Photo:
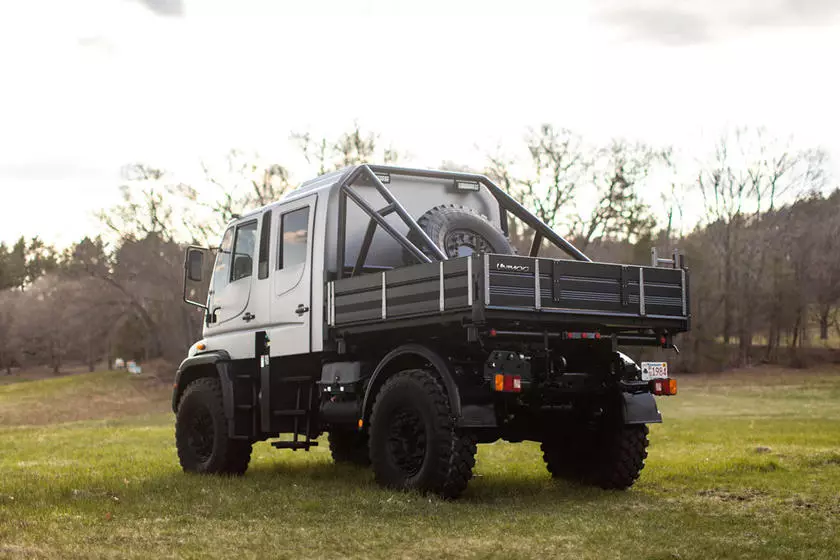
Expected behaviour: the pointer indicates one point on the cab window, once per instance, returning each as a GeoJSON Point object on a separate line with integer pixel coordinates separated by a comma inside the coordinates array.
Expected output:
{"type": "Point", "coordinates": [294, 237]}
{"type": "Point", "coordinates": [244, 247]}
{"type": "Point", "coordinates": [221, 270]}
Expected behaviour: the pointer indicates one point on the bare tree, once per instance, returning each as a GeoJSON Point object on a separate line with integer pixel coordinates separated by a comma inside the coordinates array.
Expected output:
{"type": "Point", "coordinates": [144, 209]}
{"type": "Point", "coordinates": [588, 193]}
{"type": "Point", "coordinates": [240, 184]}
{"type": "Point", "coordinates": [10, 344]}
{"type": "Point", "coordinates": [559, 163]}
{"type": "Point", "coordinates": [741, 186]}
{"type": "Point", "coordinates": [619, 212]}
{"type": "Point", "coordinates": [352, 147]}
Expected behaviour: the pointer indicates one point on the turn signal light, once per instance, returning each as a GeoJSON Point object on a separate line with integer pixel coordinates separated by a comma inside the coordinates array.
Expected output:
{"type": "Point", "coordinates": [664, 386]}
{"type": "Point", "coordinates": [508, 383]}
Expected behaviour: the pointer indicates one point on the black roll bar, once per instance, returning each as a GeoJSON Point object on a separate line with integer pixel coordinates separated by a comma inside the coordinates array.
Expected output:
{"type": "Point", "coordinates": [377, 217]}
{"type": "Point", "coordinates": [506, 203]}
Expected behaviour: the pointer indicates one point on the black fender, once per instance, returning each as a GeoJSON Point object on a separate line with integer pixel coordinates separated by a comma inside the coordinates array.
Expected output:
{"type": "Point", "coordinates": [640, 408]}
{"type": "Point", "coordinates": [441, 365]}
{"type": "Point", "coordinates": [213, 363]}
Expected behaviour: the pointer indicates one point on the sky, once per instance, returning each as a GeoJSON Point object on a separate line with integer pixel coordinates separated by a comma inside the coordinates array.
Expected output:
{"type": "Point", "coordinates": [89, 86]}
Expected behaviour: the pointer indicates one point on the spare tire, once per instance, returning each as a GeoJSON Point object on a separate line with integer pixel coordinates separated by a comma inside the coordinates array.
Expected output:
{"type": "Point", "coordinates": [459, 231]}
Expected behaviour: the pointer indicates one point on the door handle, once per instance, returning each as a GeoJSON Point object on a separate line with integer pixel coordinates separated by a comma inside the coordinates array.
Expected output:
{"type": "Point", "coordinates": [301, 309]}
{"type": "Point", "coordinates": [249, 317]}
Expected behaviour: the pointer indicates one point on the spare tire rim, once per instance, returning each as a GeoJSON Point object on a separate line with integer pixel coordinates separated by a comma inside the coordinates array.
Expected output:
{"type": "Point", "coordinates": [407, 441]}
{"type": "Point", "coordinates": [463, 243]}
{"type": "Point", "coordinates": [201, 434]}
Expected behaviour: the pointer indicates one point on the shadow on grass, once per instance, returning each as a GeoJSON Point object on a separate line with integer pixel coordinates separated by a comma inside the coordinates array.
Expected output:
{"type": "Point", "coordinates": [303, 485]}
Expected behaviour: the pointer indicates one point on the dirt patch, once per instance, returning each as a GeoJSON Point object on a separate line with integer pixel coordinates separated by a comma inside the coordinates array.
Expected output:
{"type": "Point", "coordinates": [763, 375]}
{"type": "Point", "coordinates": [84, 397]}
{"type": "Point", "coordinates": [829, 459]}
{"type": "Point", "coordinates": [722, 495]}
{"type": "Point", "coordinates": [37, 374]}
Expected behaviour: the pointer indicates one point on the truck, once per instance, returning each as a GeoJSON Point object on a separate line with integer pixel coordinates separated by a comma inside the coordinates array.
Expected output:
{"type": "Point", "coordinates": [387, 308]}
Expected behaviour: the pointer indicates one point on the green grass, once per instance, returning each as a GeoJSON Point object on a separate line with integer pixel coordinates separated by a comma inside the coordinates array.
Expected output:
{"type": "Point", "coordinates": [745, 466]}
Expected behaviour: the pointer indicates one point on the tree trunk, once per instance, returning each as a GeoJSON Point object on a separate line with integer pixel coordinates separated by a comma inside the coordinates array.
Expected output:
{"type": "Point", "coordinates": [152, 331]}
{"type": "Point", "coordinates": [55, 358]}
{"type": "Point", "coordinates": [90, 359]}
{"type": "Point", "coordinates": [727, 290]}
{"type": "Point", "coordinates": [824, 316]}
{"type": "Point", "coordinates": [744, 344]}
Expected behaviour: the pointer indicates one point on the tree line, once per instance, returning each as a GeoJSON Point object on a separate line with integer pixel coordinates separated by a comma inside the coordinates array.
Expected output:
{"type": "Point", "coordinates": [763, 245]}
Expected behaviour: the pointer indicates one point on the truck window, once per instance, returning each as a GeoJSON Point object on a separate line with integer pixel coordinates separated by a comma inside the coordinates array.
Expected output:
{"type": "Point", "coordinates": [221, 269]}
{"type": "Point", "coordinates": [243, 251]}
{"type": "Point", "coordinates": [265, 237]}
{"type": "Point", "coordinates": [294, 235]}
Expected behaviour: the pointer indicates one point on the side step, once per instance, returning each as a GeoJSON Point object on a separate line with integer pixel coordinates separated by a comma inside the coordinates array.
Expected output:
{"type": "Point", "coordinates": [295, 379]}
{"type": "Point", "coordinates": [291, 412]}
{"type": "Point", "coordinates": [294, 444]}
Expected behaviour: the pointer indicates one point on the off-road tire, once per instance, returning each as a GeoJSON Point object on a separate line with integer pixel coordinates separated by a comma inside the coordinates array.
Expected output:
{"type": "Point", "coordinates": [444, 456]}
{"type": "Point", "coordinates": [453, 228]}
{"type": "Point", "coordinates": [611, 457]}
{"type": "Point", "coordinates": [201, 432]}
{"type": "Point", "coordinates": [349, 446]}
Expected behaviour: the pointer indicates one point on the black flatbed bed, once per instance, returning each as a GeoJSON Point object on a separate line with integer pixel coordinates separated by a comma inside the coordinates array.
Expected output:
{"type": "Point", "coordinates": [530, 295]}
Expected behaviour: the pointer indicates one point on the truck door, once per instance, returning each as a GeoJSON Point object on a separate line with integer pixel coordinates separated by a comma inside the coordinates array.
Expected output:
{"type": "Point", "coordinates": [232, 275]}
{"type": "Point", "coordinates": [291, 282]}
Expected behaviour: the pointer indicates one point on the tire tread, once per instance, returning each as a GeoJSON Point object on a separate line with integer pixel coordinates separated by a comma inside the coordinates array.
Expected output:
{"type": "Point", "coordinates": [455, 452]}
{"type": "Point", "coordinates": [236, 453]}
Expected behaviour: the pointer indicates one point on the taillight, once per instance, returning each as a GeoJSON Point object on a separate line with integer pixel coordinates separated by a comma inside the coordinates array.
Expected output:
{"type": "Point", "coordinates": [664, 386]}
{"type": "Point", "coordinates": [508, 383]}
{"type": "Point", "coordinates": [582, 335]}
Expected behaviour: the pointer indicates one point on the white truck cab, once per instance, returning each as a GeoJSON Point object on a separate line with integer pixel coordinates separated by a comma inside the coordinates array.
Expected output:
{"type": "Point", "coordinates": [263, 280]}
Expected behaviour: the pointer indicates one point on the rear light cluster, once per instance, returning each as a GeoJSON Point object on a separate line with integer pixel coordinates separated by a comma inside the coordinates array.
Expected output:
{"type": "Point", "coordinates": [664, 386]}
{"type": "Point", "coordinates": [582, 335]}
{"type": "Point", "coordinates": [564, 335]}
{"type": "Point", "coordinates": [508, 383]}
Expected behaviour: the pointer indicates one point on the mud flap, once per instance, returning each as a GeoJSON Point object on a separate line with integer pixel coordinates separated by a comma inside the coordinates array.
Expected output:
{"type": "Point", "coordinates": [640, 408]}
{"type": "Point", "coordinates": [477, 416]}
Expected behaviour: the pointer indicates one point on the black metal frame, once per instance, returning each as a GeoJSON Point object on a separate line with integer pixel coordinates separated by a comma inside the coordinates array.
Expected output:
{"type": "Point", "coordinates": [377, 217]}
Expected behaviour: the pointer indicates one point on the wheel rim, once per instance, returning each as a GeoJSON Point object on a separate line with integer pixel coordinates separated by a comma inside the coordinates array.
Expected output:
{"type": "Point", "coordinates": [463, 243]}
{"type": "Point", "coordinates": [200, 433]}
{"type": "Point", "coordinates": [407, 441]}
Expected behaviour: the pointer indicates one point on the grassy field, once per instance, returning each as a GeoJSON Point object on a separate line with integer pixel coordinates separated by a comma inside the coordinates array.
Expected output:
{"type": "Point", "coordinates": [746, 465]}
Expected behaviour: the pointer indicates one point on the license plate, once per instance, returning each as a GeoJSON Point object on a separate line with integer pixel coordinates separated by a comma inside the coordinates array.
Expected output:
{"type": "Point", "coordinates": [654, 370]}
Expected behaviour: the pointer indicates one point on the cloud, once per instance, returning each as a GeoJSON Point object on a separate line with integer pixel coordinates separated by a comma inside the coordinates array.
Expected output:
{"type": "Point", "coordinates": [51, 170]}
{"type": "Point", "coordinates": [667, 25]}
{"type": "Point", "coordinates": [165, 7]}
{"type": "Point", "coordinates": [790, 13]}
{"type": "Point", "coordinates": [97, 43]}
{"type": "Point", "coordinates": [688, 23]}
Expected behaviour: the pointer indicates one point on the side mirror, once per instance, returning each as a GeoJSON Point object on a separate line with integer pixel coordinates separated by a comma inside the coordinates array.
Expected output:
{"type": "Point", "coordinates": [195, 264]}
{"type": "Point", "coordinates": [193, 272]}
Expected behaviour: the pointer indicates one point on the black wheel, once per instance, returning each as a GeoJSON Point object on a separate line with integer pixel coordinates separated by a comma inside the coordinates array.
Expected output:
{"type": "Point", "coordinates": [611, 456]}
{"type": "Point", "coordinates": [349, 446]}
{"type": "Point", "coordinates": [413, 440]}
{"type": "Point", "coordinates": [201, 432]}
{"type": "Point", "coordinates": [459, 231]}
